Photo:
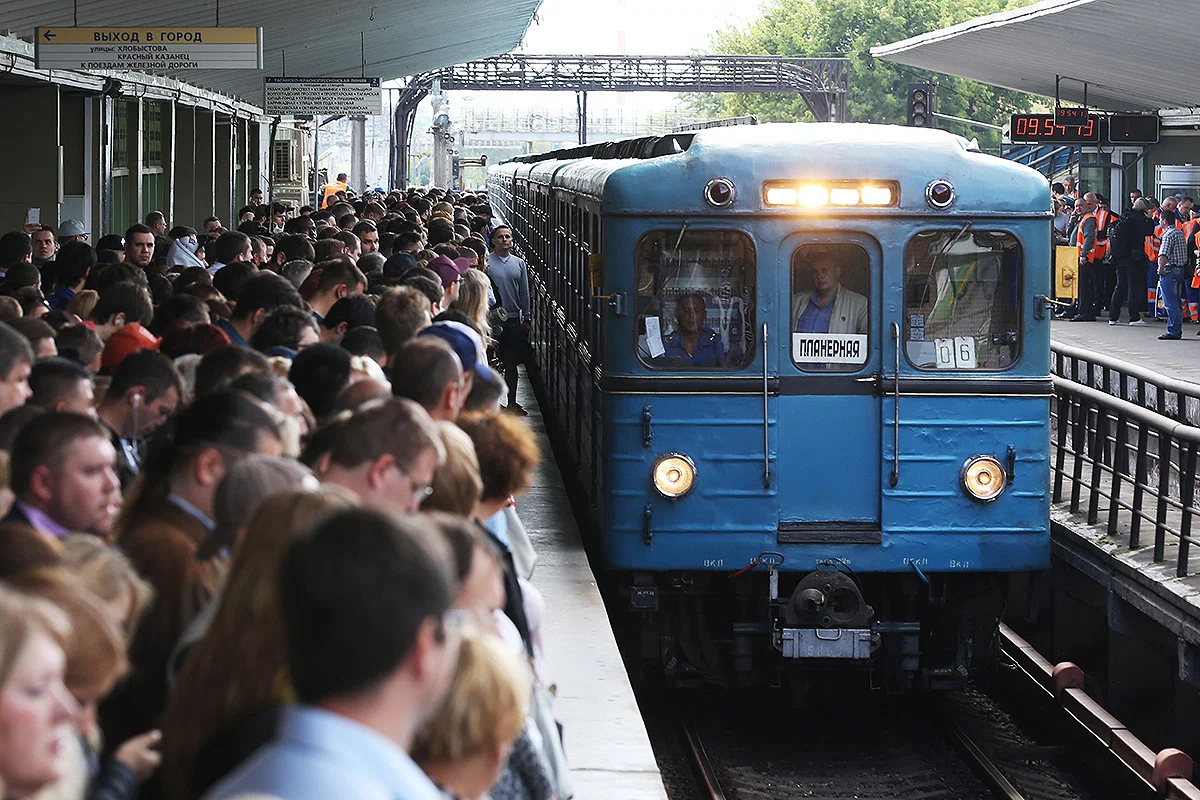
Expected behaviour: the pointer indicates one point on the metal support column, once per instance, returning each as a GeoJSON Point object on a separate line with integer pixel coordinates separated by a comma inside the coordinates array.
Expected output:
{"type": "Point", "coordinates": [317, 188]}
{"type": "Point", "coordinates": [443, 141]}
{"type": "Point", "coordinates": [105, 139]}
{"type": "Point", "coordinates": [358, 153]}
{"type": "Point", "coordinates": [137, 158]}
{"type": "Point", "coordinates": [581, 109]}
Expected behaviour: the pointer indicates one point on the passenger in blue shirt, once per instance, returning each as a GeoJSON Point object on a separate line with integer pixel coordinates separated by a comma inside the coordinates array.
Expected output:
{"type": "Point", "coordinates": [371, 649]}
{"type": "Point", "coordinates": [694, 343]}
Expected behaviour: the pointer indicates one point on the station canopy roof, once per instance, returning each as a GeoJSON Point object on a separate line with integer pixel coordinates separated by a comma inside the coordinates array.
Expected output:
{"type": "Point", "coordinates": [1126, 51]}
{"type": "Point", "coordinates": [398, 37]}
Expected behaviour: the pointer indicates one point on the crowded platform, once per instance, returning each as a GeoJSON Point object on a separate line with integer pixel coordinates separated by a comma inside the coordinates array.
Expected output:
{"type": "Point", "coordinates": [1148, 245]}
{"type": "Point", "coordinates": [261, 486]}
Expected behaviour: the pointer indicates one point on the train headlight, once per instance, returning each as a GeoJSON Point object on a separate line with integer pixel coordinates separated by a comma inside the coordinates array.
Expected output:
{"type": "Point", "coordinates": [983, 478]}
{"type": "Point", "coordinates": [674, 475]}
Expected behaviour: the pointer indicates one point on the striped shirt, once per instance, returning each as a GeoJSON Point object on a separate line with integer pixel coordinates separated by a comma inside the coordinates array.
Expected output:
{"type": "Point", "coordinates": [1173, 247]}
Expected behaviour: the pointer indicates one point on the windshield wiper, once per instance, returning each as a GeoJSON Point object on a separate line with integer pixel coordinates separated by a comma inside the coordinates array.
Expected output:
{"type": "Point", "coordinates": [682, 231]}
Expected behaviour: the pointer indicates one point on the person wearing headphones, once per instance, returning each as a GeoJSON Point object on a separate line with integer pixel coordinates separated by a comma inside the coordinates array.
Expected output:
{"type": "Point", "coordinates": [145, 390]}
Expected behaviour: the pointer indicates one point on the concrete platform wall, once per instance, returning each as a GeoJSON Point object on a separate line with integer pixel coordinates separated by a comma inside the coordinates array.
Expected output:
{"type": "Point", "coordinates": [1139, 650]}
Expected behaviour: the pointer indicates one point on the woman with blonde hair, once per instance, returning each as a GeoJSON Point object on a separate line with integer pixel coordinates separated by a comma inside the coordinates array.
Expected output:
{"type": "Point", "coordinates": [473, 300]}
{"type": "Point", "coordinates": [95, 659]}
{"type": "Point", "coordinates": [83, 302]}
{"type": "Point", "coordinates": [465, 747]}
{"type": "Point", "coordinates": [456, 486]}
{"type": "Point", "coordinates": [105, 571]}
{"type": "Point", "coordinates": [35, 707]}
{"type": "Point", "coordinates": [225, 703]}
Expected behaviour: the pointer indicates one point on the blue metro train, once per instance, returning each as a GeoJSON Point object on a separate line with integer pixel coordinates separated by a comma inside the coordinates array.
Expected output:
{"type": "Point", "coordinates": [802, 372]}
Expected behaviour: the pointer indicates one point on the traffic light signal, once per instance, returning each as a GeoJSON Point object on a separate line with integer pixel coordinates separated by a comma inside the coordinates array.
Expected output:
{"type": "Point", "coordinates": [920, 105]}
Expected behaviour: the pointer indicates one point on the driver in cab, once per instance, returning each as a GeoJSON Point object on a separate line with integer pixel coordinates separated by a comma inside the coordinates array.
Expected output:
{"type": "Point", "coordinates": [693, 343]}
{"type": "Point", "coordinates": [829, 307]}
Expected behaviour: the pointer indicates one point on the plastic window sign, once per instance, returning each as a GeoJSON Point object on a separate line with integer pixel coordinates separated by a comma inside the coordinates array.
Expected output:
{"type": "Point", "coordinates": [956, 353]}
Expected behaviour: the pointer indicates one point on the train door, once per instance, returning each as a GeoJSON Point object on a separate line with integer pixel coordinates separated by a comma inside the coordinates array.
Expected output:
{"type": "Point", "coordinates": [829, 411]}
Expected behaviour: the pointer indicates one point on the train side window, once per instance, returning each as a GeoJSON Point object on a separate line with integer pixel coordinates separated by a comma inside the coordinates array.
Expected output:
{"type": "Point", "coordinates": [695, 302]}
{"type": "Point", "coordinates": [962, 300]}
{"type": "Point", "coordinates": [830, 307]}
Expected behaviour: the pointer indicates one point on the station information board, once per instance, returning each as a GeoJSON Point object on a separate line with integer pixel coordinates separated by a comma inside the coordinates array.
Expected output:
{"type": "Point", "coordinates": [1133, 129]}
{"type": "Point", "coordinates": [313, 96]}
{"type": "Point", "coordinates": [1042, 128]}
{"type": "Point", "coordinates": [148, 49]}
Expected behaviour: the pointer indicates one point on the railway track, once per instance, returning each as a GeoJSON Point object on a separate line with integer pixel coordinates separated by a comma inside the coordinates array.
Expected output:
{"type": "Point", "coordinates": [930, 757]}
{"type": "Point", "coordinates": [1018, 741]}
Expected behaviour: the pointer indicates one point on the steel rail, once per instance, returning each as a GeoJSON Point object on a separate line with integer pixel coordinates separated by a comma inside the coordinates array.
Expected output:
{"type": "Point", "coordinates": [996, 782]}
{"type": "Point", "coordinates": [704, 768]}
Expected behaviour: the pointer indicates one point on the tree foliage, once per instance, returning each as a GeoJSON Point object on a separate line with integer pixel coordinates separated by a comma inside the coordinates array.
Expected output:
{"type": "Point", "coordinates": [878, 89]}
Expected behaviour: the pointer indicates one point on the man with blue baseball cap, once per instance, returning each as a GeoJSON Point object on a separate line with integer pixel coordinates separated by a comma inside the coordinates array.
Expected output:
{"type": "Point", "coordinates": [467, 345]}
{"type": "Point", "coordinates": [437, 368]}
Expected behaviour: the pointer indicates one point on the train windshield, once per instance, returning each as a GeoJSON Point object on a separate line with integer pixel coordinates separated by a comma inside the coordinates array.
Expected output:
{"type": "Point", "coordinates": [695, 301]}
{"type": "Point", "coordinates": [962, 300]}
{"type": "Point", "coordinates": [830, 314]}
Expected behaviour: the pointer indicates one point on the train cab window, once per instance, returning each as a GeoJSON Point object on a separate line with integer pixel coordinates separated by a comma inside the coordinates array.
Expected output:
{"type": "Point", "coordinates": [830, 310]}
{"type": "Point", "coordinates": [962, 300]}
{"type": "Point", "coordinates": [695, 301]}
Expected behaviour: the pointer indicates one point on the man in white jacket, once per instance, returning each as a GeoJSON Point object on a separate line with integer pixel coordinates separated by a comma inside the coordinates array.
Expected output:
{"type": "Point", "coordinates": [829, 307]}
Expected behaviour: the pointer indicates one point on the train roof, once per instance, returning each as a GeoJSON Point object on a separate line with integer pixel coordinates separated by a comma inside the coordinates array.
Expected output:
{"type": "Point", "coordinates": [668, 174]}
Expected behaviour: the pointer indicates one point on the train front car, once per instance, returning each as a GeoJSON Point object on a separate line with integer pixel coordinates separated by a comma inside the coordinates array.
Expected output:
{"type": "Point", "coordinates": [823, 398]}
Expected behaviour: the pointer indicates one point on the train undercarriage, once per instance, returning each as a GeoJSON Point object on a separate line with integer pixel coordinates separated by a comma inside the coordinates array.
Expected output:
{"type": "Point", "coordinates": [893, 632]}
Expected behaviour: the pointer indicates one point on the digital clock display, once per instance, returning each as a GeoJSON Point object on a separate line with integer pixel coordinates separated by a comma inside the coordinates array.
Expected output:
{"type": "Point", "coordinates": [1042, 128]}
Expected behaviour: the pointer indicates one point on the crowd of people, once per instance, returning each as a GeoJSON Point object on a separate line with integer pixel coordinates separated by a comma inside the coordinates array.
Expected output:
{"type": "Point", "coordinates": [1150, 242]}
{"type": "Point", "coordinates": [258, 487]}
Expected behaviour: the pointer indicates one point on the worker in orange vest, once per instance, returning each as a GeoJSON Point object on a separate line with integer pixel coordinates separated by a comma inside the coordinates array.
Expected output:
{"type": "Point", "coordinates": [1085, 240]}
{"type": "Point", "coordinates": [1103, 275]}
{"type": "Point", "coordinates": [1153, 241]}
{"type": "Point", "coordinates": [334, 187]}
{"type": "Point", "coordinates": [1190, 228]}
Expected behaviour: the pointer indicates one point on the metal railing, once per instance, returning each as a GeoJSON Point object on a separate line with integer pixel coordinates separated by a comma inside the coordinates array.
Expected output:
{"type": "Point", "coordinates": [1179, 400]}
{"type": "Point", "coordinates": [1123, 443]}
{"type": "Point", "coordinates": [1047, 159]}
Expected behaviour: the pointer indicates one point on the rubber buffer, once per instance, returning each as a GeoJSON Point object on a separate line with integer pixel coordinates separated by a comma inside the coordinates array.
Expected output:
{"type": "Point", "coordinates": [1066, 676]}
{"type": "Point", "coordinates": [1170, 763]}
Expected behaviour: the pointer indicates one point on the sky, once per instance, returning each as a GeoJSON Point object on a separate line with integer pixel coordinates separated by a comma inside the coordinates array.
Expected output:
{"type": "Point", "coordinates": [617, 27]}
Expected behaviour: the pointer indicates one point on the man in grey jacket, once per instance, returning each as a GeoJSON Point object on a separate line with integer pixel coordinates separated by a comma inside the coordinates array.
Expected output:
{"type": "Point", "coordinates": [829, 307]}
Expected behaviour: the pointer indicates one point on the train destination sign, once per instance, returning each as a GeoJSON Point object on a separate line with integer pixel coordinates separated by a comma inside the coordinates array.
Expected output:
{"type": "Point", "coordinates": [829, 348]}
{"type": "Point", "coordinates": [312, 96]}
{"type": "Point", "coordinates": [1042, 128]}
{"type": "Point", "coordinates": [148, 49]}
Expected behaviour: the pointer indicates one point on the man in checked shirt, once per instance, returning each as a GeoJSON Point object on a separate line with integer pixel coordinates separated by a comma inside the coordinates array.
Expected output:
{"type": "Point", "coordinates": [1172, 256]}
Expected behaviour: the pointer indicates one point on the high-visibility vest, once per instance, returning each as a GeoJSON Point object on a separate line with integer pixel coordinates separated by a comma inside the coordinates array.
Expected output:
{"type": "Point", "coordinates": [1103, 218]}
{"type": "Point", "coordinates": [1079, 237]}
{"type": "Point", "coordinates": [1154, 241]}
{"type": "Point", "coordinates": [1189, 230]}
{"type": "Point", "coordinates": [333, 188]}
